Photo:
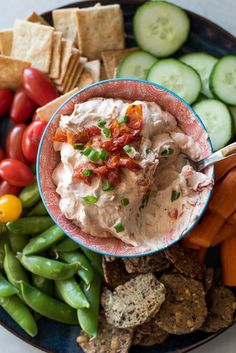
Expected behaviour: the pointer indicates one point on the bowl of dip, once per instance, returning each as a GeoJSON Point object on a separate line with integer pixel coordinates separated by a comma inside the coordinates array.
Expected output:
{"type": "Point", "coordinates": [114, 169]}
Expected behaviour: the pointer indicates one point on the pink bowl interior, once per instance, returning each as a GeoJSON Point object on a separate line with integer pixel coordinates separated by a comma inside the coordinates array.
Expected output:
{"type": "Point", "coordinates": [48, 158]}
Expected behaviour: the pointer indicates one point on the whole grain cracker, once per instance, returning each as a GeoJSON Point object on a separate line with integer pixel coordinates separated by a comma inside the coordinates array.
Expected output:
{"type": "Point", "coordinates": [64, 20]}
{"type": "Point", "coordinates": [6, 38]}
{"type": "Point", "coordinates": [33, 42]}
{"type": "Point", "coordinates": [36, 18]}
{"type": "Point", "coordinates": [115, 273]}
{"type": "Point", "coordinates": [55, 66]}
{"type": "Point", "coordinates": [100, 28]}
{"type": "Point", "coordinates": [149, 263]}
{"type": "Point", "coordinates": [113, 58]}
{"type": "Point", "coordinates": [66, 53]}
{"type": "Point", "coordinates": [71, 69]}
{"type": "Point", "coordinates": [11, 72]}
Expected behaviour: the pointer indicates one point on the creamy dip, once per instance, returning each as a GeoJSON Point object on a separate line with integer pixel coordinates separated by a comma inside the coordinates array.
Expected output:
{"type": "Point", "coordinates": [125, 173]}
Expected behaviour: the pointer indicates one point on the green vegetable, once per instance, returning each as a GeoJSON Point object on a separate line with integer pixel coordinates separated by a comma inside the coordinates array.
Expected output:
{"type": "Point", "coordinates": [86, 151]}
{"type": "Point", "coordinates": [78, 146]}
{"type": "Point", "coordinates": [123, 119]}
{"type": "Point", "coordinates": [72, 293]}
{"type": "Point", "coordinates": [30, 225]}
{"type": "Point", "coordinates": [101, 123]}
{"type": "Point", "coordinates": [43, 241]}
{"type": "Point", "coordinates": [2, 228]}
{"type": "Point", "coordinates": [107, 186]}
{"type": "Point", "coordinates": [124, 202]}
{"type": "Point", "coordinates": [127, 148]}
{"type": "Point", "coordinates": [119, 228]}
{"type": "Point", "coordinates": [51, 269]}
{"type": "Point", "coordinates": [167, 152]}
{"type": "Point", "coordinates": [96, 259]}
{"type": "Point", "coordinates": [4, 240]}
{"type": "Point", "coordinates": [13, 269]}
{"type": "Point", "coordinates": [90, 199]}
{"type": "Point", "coordinates": [38, 210]}
{"type": "Point", "coordinates": [94, 156]}
{"type": "Point", "coordinates": [104, 154]}
{"type": "Point", "coordinates": [107, 132]}
{"type": "Point", "coordinates": [87, 172]}
{"type": "Point", "coordinates": [19, 312]}
{"type": "Point", "coordinates": [175, 195]}
{"type": "Point", "coordinates": [85, 270]}
{"type": "Point", "coordinates": [46, 305]}
{"type": "Point", "coordinates": [30, 195]}
{"type": "Point", "coordinates": [18, 241]}
{"type": "Point", "coordinates": [6, 288]}
{"type": "Point", "coordinates": [66, 245]}
{"type": "Point", "coordinates": [43, 284]}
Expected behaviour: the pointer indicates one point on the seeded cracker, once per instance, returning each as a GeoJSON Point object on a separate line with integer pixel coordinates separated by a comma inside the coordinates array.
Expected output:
{"type": "Point", "coordinates": [149, 334]}
{"type": "Point", "coordinates": [34, 17]}
{"type": "Point", "coordinates": [11, 72]}
{"type": "Point", "coordinates": [64, 20]}
{"type": "Point", "coordinates": [208, 279]}
{"type": "Point", "coordinates": [55, 66]}
{"type": "Point", "coordinates": [144, 264]}
{"type": "Point", "coordinates": [100, 28]}
{"type": "Point", "coordinates": [66, 52]}
{"type": "Point", "coordinates": [113, 58]}
{"type": "Point", "coordinates": [6, 38]}
{"type": "Point", "coordinates": [33, 42]}
{"type": "Point", "coordinates": [115, 273]}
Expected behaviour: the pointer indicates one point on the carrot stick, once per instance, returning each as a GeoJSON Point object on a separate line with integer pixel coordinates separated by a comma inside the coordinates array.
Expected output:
{"type": "Point", "coordinates": [223, 201]}
{"type": "Point", "coordinates": [228, 261]}
{"type": "Point", "coordinates": [227, 230]}
{"type": "Point", "coordinates": [202, 255]}
{"type": "Point", "coordinates": [224, 166]}
{"type": "Point", "coordinates": [188, 244]}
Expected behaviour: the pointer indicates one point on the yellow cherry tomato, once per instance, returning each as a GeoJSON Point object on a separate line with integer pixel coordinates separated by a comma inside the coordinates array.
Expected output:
{"type": "Point", "coordinates": [10, 208]}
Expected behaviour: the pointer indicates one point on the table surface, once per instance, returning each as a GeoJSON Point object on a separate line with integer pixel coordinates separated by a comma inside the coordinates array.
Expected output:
{"type": "Point", "coordinates": [222, 13]}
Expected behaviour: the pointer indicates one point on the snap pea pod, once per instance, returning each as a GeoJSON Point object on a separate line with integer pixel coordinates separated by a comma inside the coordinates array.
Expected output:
{"type": "Point", "coordinates": [96, 259]}
{"type": "Point", "coordinates": [43, 241]}
{"type": "Point", "coordinates": [30, 195]}
{"type": "Point", "coordinates": [43, 284]}
{"type": "Point", "coordinates": [72, 293]}
{"type": "Point", "coordinates": [85, 270]}
{"type": "Point", "coordinates": [47, 306]}
{"type": "Point", "coordinates": [2, 228]}
{"type": "Point", "coordinates": [6, 288]}
{"type": "Point", "coordinates": [20, 314]}
{"type": "Point", "coordinates": [88, 318]}
{"type": "Point", "coordinates": [66, 245]}
{"type": "Point", "coordinates": [13, 269]}
{"type": "Point", "coordinates": [3, 241]}
{"type": "Point", "coordinates": [38, 210]}
{"type": "Point", "coordinates": [18, 241]}
{"type": "Point", "coordinates": [51, 269]}
{"type": "Point", "coordinates": [30, 225]}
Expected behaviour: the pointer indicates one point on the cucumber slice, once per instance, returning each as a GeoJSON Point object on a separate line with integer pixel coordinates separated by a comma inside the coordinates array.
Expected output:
{"type": "Point", "coordinates": [223, 80]}
{"type": "Point", "coordinates": [136, 65]}
{"type": "Point", "coordinates": [203, 63]}
{"type": "Point", "coordinates": [217, 119]}
{"type": "Point", "coordinates": [160, 28]}
{"type": "Point", "coordinates": [178, 77]}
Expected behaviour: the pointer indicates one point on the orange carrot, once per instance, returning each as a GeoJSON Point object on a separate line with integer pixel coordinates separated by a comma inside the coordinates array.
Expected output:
{"type": "Point", "coordinates": [224, 166]}
{"type": "Point", "coordinates": [202, 255]}
{"type": "Point", "coordinates": [188, 244]}
{"type": "Point", "coordinates": [225, 232]}
{"type": "Point", "coordinates": [228, 261]}
{"type": "Point", "coordinates": [223, 201]}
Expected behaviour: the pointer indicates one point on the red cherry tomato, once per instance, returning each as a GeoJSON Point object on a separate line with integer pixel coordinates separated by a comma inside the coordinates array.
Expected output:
{"type": "Point", "coordinates": [6, 98]}
{"type": "Point", "coordinates": [38, 86]}
{"type": "Point", "coordinates": [22, 107]}
{"type": "Point", "coordinates": [31, 139]}
{"type": "Point", "coordinates": [14, 142]}
{"type": "Point", "coordinates": [2, 154]}
{"type": "Point", "coordinates": [16, 172]}
{"type": "Point", "coordinates": [6, 188]}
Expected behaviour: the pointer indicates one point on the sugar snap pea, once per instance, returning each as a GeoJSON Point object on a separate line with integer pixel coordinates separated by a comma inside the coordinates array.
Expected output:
{"type": "Point", "coordinates": [44, 240]}
{"type": "Point", "coordinates": [20, 314]}
{"type": "Point", "coordinates": [6, 288]}
{"type": "Point", "coordinates": [66, 245]}
{"type": "Point", "coordinates": [13, 269]}
{"type": "Point", "coordinates": [88, 318]}
{"type": "Point", "coordinates": [96, 259]}
{"type": "Point", "coordinates": [51, 269]}
{"type": "Point", "coordinates": [85, 270]}
{"type": "Point", "coordinates": [38, 210]}
{"type": "Point", "coordinates": [30, 225]}
{"type": "Point", "coordinates": [3, 241]}
{"type": "Point", "coordinates": [47, 306]}
{"type": "Point", "coordinates": [72, 294]}
{"type": "Point", "coordinates": [2, 228]}
{"type": "Point", "coordinates": [30, 195]}
{"type": "Point", "coordinates": [18, 241]}
{"type": "Point", "coordinates": [43, 284]}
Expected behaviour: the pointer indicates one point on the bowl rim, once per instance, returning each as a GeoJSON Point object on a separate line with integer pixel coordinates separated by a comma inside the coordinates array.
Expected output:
{"type": "Point", "coordinates": [38, 163]}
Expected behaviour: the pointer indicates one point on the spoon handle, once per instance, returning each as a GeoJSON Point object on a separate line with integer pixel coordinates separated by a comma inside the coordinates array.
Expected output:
{"type": "Point", "coordinates": [223, 153]}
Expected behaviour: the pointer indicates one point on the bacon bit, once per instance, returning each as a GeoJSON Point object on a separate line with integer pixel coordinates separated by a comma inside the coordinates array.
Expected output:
{"type": "Point", "coordinates": [114, 176]}
{"type": "Point", "coordinates": [134, 112]}
{"type": "Point", "coordinates": [129, 164]}
{"type": "Point", "coordinates": [173, 214]}
{"type": "Point", "coordinates": [93, 131]}
{"type": "Point", "coordinates": [78, 172]}
{"type": "Point", "coordinates": [60, 136]}
{"type": "Point", "coordinates": [82, 136]}
{"type": "Point", "coordinates": [118, 143]}
{"type": "Point", "coordinates": [113, 161]}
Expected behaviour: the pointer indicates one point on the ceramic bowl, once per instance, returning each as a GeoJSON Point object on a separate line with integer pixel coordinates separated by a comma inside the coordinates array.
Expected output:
{"type": "Point", "coordinates": [48, 159]}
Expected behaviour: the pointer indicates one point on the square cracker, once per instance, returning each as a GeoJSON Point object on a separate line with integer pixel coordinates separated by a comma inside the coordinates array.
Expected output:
{"type": "Point", "coordinates": [11, 72]}
{"type": "Point", "coordinates": [66, 52]}
{"type": "Point", "coordinates": [55, 66]}
{"type": "Point", "coordinates": [113, 58]}
{"type": "Point", "coordinates": [6, 38]}
{"type": "Point", "coordinates": [94, 68]}
{"type": "Point", "coordinates": [33, 42]}
{"type": "Point", "coordinates": [34, 17]}
{"type": "Point", "coordinates": [100, 28]}
{"type": "Point", "coordinates": [85, 80]}
{"type": "Point", "coordinates": [64, 20]}
{"type": "Point", "coordinates": [71, 69]}
{"type": "Point", "coordinates": [73, 82]}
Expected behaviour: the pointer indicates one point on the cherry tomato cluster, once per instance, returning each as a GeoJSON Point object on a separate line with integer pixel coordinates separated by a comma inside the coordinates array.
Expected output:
{"type": "Point", "coordinates": [20, 150]}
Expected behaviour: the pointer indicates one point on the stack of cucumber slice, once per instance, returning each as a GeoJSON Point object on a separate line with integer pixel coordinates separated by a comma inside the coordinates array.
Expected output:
{"type": "Point", "coordinates": [160, 29]}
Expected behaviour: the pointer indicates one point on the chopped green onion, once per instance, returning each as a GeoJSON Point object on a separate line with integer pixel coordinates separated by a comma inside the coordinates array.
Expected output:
{"type": "Point", "coordinates": [127, 148]}
{"type": "Point", "coordinates": [119, 227]}
{"type": "Point", "coordinates": [167, 152]}
{"type": "Point", "coordinates": [87, 151]}
{"type": "Point", "coordinates": [87, 172]}
{"type": "Point", "coordinates": [78, 146]}
{"type": "Point", "coordinates": [107, 186]}
{"type": "Point", "coordinates": [107, 132]}
{"type": "Point", "coordinates": [90, 199]}
{"type": "Point", "coordinates": [175, 195]}
{"type": "Point", "coordinates": [101, 123]}
{"type": "Point", "coordinates": [94, 156]}
{"type": "Point", "coordinates": [104, 154]}
{"type": "Point", "coordinates": [124, 202]}
{"type": "Point", "coordinates": [123, 119]}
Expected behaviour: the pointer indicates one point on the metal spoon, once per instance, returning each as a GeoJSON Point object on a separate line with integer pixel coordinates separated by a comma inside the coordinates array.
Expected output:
{"type": "Point", "coordinates": [223, 153]}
